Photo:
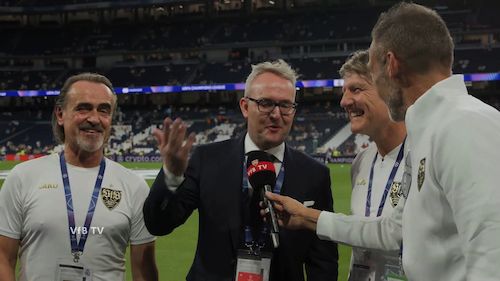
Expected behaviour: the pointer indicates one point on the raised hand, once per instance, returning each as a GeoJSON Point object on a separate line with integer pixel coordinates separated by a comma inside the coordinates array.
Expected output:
{"type": "Point", "coordinates": [173, 145]}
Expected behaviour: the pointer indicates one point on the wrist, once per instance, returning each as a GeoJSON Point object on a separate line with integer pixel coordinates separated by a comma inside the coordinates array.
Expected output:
{"type": "Point", "coordinates": [310, 218]}
{"type": "Point", "coordinates": [312, 215]}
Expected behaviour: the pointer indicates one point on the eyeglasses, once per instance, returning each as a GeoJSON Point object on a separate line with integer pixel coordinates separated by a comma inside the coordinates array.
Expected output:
{"type": "Point", "coordinates": [267, 106]}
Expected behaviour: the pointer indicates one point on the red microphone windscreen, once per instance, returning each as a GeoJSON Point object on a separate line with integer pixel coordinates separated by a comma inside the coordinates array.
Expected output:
{"type": "Point", "coordinates": [260, 169]}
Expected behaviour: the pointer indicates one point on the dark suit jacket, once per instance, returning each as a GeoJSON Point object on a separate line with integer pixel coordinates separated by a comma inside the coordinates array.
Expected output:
{"type": "Point", "coordinates": [213, 185]}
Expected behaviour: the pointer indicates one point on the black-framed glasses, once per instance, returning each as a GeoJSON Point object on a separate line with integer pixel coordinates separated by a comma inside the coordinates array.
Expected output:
{"type": "Point", "coordinates": [267, 105]}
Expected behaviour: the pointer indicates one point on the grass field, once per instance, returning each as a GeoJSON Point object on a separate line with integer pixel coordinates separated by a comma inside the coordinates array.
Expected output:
{"type": "Point", "coordinates": [175, 252]}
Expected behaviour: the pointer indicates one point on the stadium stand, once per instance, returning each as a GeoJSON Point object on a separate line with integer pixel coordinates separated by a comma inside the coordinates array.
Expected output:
{"type": "Point", "coordinates": [180, 43]}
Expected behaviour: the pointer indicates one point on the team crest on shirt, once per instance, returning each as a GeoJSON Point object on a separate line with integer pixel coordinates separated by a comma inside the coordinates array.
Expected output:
{"type": "Point", "coordinates": [361, 182]}
{"type": "Point", "coordinates": [406, 181]}
{"type": "Point", "coordinates": [421, 174]}
{"type": "Point", "coordinates": [395, 193]}
{"type": "Point", "coordinates": [110, 197]}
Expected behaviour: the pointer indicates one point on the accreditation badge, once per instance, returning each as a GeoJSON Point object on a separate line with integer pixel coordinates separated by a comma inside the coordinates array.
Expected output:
{"type": "Point", "coordinates": [361, 269]}
{"type": "Point", "coordinates": [394, 277]}
{"type": "Point", "coordinates": [68, 270]}
{"type": "Point", "coordinates": [375, 265]}
{"type": "Point", "coordinates": [360, 272]}
{"type": "Point", "coordinates": [392, 267]}
{"type": "Point", "coordinates": [250, 267]}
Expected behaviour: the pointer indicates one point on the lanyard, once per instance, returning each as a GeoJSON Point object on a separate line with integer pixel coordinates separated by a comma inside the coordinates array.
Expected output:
{"type": "Point", "coordinates": [249, 241]}
{"type": "Point", "coordinates": [77, 247]}
{"type": "Point", "coordinates": [388, 184]}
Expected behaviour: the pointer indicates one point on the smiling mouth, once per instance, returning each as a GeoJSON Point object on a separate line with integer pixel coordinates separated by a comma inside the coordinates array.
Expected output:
{"type": "Point", "coordinates": [91, 131]}
{"type": "Point", "coordinates": [356, 113]}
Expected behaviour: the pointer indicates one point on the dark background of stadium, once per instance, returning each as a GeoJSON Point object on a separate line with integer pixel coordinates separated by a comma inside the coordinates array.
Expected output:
{"type": "Point", "coordinates": [176, 43]}
{"type": "Point", "coordinates": [145, 43]}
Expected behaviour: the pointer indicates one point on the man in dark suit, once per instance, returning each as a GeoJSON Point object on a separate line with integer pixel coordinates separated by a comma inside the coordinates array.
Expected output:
{"type": "Point", "coordinates": [214, 183]}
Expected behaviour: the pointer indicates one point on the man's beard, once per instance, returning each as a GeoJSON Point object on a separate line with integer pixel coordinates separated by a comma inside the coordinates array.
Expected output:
{"type": "Point", "coordinates": [90, 145]}
{"type": "Point", "coordinates": [393, 97]}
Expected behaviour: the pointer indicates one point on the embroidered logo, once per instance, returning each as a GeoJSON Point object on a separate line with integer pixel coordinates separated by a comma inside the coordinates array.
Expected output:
{"type": "Point", "coordinates": [421, 174]}
{"type": "Point", "coordinates": [111, 198]}
{"type": "Point", "coordinates": [395, 193]}
{"type": "Point", "coordinates": [406, 181]}
{"type": "Point", "coordinates": [48, 186]}
{"type": "Point", "coordinates": [361, 182]}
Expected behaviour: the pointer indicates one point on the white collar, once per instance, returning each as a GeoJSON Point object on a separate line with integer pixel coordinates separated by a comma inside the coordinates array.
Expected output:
{"type": "Point", "coordinates": [426, 103]}
{"type": "Point", "coordinates": [277, 151]}
{"type": "Point", "coordinates": [393, 154]}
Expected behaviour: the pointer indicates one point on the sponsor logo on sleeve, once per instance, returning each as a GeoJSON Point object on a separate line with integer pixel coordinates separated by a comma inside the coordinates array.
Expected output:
{"type": "Point", "coordinates": [48, 186]}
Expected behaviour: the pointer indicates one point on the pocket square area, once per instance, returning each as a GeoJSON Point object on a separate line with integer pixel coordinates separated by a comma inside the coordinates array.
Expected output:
{"type": "Point", "coordinates": [309, 203]}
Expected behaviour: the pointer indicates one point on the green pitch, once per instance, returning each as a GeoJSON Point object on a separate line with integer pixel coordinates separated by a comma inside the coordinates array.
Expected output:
{"type": "Point", "coordinates": [7, 165]}
{"type": "Point", "coordinates": [175, 252]}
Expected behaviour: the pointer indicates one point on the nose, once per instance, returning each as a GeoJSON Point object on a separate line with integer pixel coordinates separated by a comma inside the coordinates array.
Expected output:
{"type": "Point", "coordinates": [93, 117]}
{"type": "Point", "coordinates": [275, 113]}
{"type": "Point", "coordinates": [346, 99]}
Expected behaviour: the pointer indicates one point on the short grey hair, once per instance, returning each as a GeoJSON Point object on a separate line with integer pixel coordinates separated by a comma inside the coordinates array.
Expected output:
{"type": "Point", "coordinates": [417, 35]}
{"type": "Point", "coordinates": [356, 63]}
{"type": "Point", "coordinates": [278, 67]}
{"type": "Point", "coordinates": [62, 99]}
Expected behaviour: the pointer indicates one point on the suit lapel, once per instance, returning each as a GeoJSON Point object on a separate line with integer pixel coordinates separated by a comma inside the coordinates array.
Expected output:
{"type": "Point", "coordinates": [232, 188]}
{"type": "Point", "coordinates": [290, 170]}
{"type": "Point", "coordinates": [294, 184]}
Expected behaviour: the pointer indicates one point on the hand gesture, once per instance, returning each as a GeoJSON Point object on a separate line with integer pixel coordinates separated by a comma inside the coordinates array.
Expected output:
{"type": "Point", "coordinates": [173, 145]}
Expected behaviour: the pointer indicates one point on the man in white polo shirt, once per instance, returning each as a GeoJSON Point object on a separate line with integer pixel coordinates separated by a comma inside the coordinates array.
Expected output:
{"type": "Point", "coordinates": [377, 171]}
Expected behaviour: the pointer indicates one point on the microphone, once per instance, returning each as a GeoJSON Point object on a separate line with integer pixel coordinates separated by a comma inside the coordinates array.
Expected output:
{"type": "Point", "coordinates": [262, 177]}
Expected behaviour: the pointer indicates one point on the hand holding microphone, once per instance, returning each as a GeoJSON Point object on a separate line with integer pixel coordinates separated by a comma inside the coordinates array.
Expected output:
{"type": "Point", "coordinates": [292, 213]}
{"type": "Point", "coordinates": [262, 177]}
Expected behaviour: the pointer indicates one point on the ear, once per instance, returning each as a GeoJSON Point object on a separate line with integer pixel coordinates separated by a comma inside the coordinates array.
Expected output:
{"type": "Point", "coordinates": [393, 65]}
{"type": "Point", "coordinates": [244, 107]}
{"type": "Point", "coordinates": [59, 115]}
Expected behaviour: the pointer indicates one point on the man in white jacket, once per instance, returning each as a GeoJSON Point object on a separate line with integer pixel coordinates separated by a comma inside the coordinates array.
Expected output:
{"type": "Point", "coordinates": [449, 224]}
